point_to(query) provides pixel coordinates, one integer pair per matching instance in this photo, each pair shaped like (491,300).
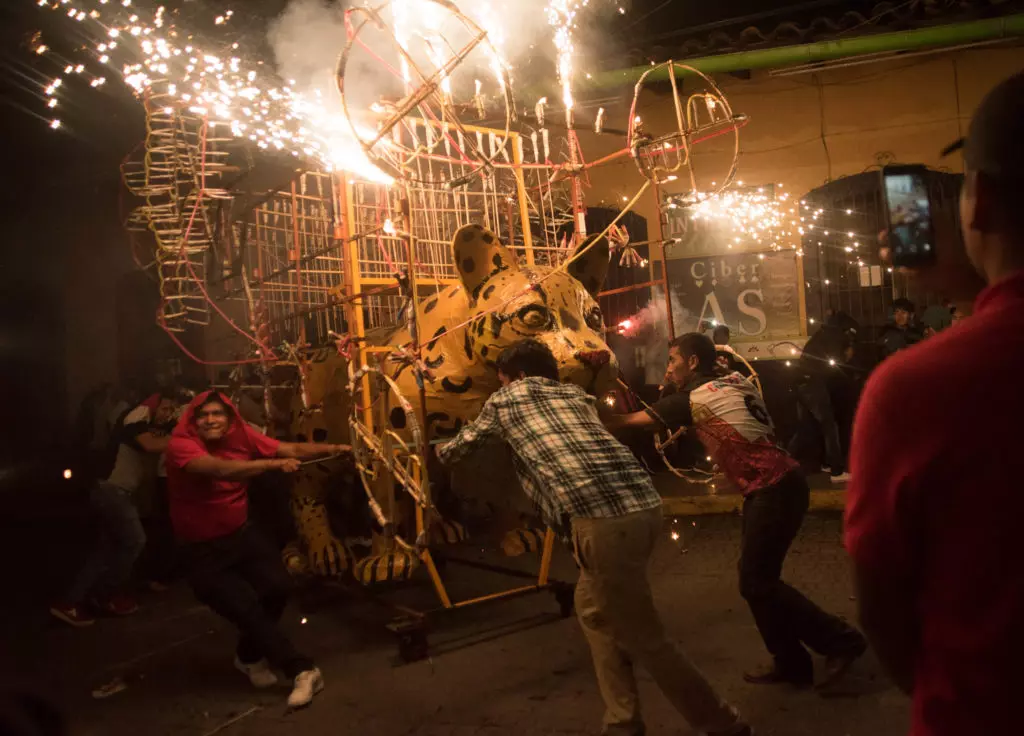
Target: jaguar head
(559,309)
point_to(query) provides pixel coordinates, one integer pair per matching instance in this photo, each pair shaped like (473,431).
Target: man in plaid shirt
(579,476)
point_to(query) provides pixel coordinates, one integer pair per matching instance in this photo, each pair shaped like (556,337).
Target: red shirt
(202,507)
(936,497)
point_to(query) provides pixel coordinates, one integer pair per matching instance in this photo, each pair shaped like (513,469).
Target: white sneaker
(259,673)
(841,478)
(307,684)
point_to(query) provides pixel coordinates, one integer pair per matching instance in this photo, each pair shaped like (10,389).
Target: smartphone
(909,214)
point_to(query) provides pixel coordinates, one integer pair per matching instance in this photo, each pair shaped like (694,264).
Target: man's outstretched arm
(669,413)
(619,423)
(471,436)
(307,450)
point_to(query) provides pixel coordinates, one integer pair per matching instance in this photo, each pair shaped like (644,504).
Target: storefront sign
(755,294)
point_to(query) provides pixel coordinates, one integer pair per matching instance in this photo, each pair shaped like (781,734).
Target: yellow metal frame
(355,282)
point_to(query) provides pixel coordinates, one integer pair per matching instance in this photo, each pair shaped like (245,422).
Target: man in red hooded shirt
(232,567)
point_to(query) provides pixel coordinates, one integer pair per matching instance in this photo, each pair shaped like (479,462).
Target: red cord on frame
(267,351)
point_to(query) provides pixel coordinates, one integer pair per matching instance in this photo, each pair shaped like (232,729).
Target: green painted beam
(1010,26)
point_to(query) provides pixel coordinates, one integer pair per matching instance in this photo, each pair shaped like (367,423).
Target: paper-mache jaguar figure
(464,328)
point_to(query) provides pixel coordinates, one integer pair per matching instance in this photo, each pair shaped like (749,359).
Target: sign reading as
(755,294)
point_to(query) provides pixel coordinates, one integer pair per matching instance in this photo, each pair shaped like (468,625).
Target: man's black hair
(694,343)
(530,358)
(720,335)
(903,304)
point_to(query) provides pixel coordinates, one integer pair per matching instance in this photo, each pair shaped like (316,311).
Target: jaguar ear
(591,268)
(479,255)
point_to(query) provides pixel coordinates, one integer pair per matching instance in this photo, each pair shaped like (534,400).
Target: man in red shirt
(232,567)
(729,418)
(935,502)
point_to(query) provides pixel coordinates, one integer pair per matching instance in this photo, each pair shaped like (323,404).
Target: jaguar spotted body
(463,328)
(504,302)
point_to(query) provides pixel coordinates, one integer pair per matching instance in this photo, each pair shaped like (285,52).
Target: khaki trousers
(616,610)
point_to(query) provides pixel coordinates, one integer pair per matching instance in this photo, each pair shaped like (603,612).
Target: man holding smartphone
(934,507)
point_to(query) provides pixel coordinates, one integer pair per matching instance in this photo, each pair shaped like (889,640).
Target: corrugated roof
(799,27)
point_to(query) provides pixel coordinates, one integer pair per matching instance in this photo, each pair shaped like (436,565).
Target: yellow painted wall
(905,111)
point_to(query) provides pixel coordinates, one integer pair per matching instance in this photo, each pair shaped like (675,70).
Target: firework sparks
(166,65)
(562,18)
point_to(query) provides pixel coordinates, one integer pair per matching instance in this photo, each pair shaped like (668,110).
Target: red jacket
(203,507)
(936,498)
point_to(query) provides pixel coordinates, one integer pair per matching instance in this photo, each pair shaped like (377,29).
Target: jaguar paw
(523,541)
(328,556)
(445,531)
(396,565)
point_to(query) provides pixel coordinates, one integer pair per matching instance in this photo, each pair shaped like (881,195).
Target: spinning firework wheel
(427,62)
(703,115)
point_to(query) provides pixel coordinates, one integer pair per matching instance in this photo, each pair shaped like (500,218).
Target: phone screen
(911,238)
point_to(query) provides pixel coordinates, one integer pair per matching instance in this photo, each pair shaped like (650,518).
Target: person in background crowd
(901,332)
(731,420)
(232,567)
(938,317)
(92,434)
(121,539)
(821,363)
(935,503)
(160,557)
(727,360)
(580,477)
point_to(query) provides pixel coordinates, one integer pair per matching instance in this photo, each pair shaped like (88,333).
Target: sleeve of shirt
(129,434)
(471,436)
(673,411)
(262,445)
(882,509)
(181,451)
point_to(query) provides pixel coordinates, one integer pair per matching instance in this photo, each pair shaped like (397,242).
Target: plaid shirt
(568,464)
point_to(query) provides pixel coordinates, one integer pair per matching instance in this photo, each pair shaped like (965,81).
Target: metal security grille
(842,268)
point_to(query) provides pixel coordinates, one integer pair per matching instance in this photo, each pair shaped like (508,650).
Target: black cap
(994,140)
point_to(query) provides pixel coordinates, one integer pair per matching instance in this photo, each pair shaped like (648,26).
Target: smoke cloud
(309,35)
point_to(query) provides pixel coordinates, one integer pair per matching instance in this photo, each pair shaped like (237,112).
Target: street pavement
(512,667)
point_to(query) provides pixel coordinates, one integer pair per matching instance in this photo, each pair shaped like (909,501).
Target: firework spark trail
(164,62)
(208,75)
(561,16)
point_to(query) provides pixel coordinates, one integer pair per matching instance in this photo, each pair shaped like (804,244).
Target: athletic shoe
(307,684)
(73,615)
(840,478)
(771,675)
(117,605)
(259,673)
(836,665)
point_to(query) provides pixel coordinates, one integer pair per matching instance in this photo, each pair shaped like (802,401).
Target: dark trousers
(241,577)
(158,563)
(785,618)
(815,418)
(120,542)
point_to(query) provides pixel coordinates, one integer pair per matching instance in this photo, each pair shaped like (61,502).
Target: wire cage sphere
(701,116)
(393,145)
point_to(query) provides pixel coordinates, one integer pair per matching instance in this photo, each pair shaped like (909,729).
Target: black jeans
(159,559)
(241,577)
(815,417)
(786,619)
